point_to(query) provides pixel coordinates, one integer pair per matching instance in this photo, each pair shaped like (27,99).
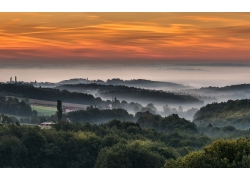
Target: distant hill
(232,88)
(166,124)
(50,94)
(235,113)
(81,81)
(233,92)
(134,94)
(143,83)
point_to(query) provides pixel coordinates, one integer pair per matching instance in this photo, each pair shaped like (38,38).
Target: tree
(180,109)
(59,110)
(167,110)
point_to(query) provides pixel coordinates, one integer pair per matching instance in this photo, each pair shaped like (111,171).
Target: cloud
(126,35)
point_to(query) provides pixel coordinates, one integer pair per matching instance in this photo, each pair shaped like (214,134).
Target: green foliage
(220,154)
(84,145)
(14,107)
(95,115)
(136,154)
(234,113)
(167,124)
(59,110)
(50,94)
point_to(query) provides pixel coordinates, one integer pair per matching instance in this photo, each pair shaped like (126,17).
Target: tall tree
(59,110)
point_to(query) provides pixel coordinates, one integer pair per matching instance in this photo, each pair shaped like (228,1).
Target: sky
(124,37)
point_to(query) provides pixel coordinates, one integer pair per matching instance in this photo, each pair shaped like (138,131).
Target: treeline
(227,131)
(165,124)
(232,88)
(50,94)
(220,154)
(133,94)
(235,113)
(145,96)
(188,114)
(114,144)
(95,115)
(121,144)
(13,106)
(134,82)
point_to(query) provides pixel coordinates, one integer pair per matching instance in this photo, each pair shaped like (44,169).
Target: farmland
(44,110)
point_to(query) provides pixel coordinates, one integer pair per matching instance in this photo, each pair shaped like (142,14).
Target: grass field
(44,110)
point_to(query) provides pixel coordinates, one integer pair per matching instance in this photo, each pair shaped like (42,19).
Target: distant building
(46,124)
(70,109)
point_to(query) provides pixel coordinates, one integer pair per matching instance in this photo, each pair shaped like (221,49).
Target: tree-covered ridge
(166,124)
(50,94)
(220,154)
(133,83)
(145,96)
(236,113)
(95,115)
(13,106)
(231,88)
(114,144)
(133,94)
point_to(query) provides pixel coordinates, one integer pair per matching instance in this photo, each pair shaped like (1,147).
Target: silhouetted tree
(59,110)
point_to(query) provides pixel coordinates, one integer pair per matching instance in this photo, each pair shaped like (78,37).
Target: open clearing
(44,110)
(54,103)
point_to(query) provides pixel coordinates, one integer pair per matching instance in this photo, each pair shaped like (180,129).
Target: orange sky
(124,36)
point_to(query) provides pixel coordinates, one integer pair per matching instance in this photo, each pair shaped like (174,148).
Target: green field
(44,110)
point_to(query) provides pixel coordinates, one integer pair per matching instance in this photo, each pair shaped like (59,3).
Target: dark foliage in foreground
(114,144)
(220,154)
(234,113)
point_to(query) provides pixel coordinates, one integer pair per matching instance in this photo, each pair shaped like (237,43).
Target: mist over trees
(123,132)
(220,154)
(50,94)
(13,106)
(235,113)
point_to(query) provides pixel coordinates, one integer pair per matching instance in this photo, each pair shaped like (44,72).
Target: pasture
(44,110)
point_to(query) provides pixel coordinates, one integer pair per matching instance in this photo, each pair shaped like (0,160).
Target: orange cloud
(127,36)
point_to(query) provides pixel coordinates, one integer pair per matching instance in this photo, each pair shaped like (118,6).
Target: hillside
(50,94)
(235,113)
(233,92)
(133,94)
(143,83)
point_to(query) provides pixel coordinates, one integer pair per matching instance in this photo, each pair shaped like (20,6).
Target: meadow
(44,110)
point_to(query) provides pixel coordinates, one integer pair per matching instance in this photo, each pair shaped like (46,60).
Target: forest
(49,94)
(219,135)
(144,83)
(235,113)
(119,144)
(133,93)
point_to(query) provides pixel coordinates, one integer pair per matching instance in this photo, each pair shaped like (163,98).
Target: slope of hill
(236,113)
(50,94)
(134,94)
(143,83)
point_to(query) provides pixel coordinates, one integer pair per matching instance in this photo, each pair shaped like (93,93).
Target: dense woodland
(219,154)
(114,144)
(133,94)
(219,136)
(145,96)
(132,83)
(50,94)
(235,113)
(95,115)
(13,106)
